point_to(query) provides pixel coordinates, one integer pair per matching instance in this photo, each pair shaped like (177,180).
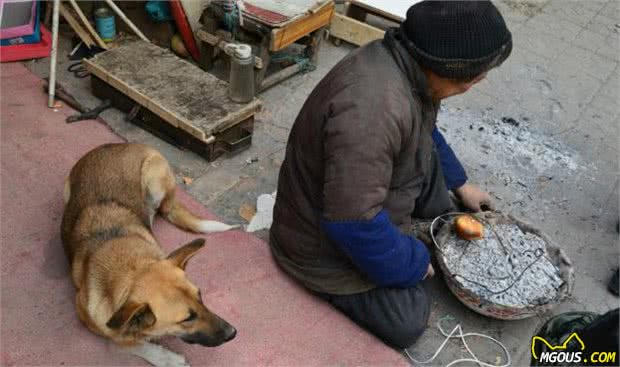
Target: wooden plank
(240,134)
(76,26)
(173,89)
(88,26)
(395,10)
(285,36)
(355,12)
(265,16)
(137,96)
(280,13)
(142,99)
(279,76)
(239,115)
(353,31)
(287,8)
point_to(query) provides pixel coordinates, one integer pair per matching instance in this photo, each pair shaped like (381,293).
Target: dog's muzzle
(224,334)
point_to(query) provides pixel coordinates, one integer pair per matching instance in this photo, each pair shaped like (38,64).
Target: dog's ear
(180,256)
(132,317)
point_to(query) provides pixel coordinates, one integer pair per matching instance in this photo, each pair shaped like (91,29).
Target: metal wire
(492,292)
(539,253)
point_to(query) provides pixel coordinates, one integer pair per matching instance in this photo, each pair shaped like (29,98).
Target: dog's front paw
(159,356)
(171,359)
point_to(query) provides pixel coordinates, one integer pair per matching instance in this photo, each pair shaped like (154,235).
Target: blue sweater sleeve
(380,250)
(453,172)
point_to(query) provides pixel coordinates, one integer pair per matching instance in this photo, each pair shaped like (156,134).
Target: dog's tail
(181,217)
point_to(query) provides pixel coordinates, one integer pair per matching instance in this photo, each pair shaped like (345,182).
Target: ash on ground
(513,272)
(505,141)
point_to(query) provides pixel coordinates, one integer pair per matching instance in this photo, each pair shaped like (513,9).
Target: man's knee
(396,316)
(405,334)
(405,319)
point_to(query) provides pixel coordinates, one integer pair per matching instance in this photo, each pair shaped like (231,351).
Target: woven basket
(498,311)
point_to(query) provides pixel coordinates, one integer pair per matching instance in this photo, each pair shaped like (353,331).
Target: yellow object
(468,228)
(177,45)
(556,347)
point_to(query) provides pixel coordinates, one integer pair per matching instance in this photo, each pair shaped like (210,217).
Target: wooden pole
(122,15)
(87,24)
(53,53)
(76,25)
(280,76)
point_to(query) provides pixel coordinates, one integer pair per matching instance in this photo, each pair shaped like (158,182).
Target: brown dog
(128,290)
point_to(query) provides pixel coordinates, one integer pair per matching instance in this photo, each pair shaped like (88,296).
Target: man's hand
(474,198)
(429,272)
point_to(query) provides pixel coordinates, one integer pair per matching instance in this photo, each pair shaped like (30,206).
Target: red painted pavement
(279,323)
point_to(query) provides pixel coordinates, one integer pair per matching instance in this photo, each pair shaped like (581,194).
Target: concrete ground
(558,168)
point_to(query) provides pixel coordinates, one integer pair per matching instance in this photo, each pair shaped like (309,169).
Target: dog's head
(164,302)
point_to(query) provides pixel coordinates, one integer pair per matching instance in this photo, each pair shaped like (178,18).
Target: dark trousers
(396,316)
(399,316)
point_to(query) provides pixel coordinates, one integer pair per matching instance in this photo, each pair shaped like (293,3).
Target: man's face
(455,87)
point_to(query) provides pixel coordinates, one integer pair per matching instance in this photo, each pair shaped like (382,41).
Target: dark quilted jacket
(361,143)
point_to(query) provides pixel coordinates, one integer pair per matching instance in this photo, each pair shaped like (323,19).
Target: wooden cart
(270,26)
(352,27)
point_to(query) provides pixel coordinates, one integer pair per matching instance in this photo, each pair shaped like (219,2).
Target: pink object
(24,29)
(28,51)
(267,16)
(279,323)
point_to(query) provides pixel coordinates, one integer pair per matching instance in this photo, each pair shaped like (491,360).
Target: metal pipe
(53,53)
(122,15)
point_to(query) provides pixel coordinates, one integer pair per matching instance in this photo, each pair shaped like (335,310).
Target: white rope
(457,331)
(459,334)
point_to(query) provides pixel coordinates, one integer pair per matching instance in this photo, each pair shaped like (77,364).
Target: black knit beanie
(456,39)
